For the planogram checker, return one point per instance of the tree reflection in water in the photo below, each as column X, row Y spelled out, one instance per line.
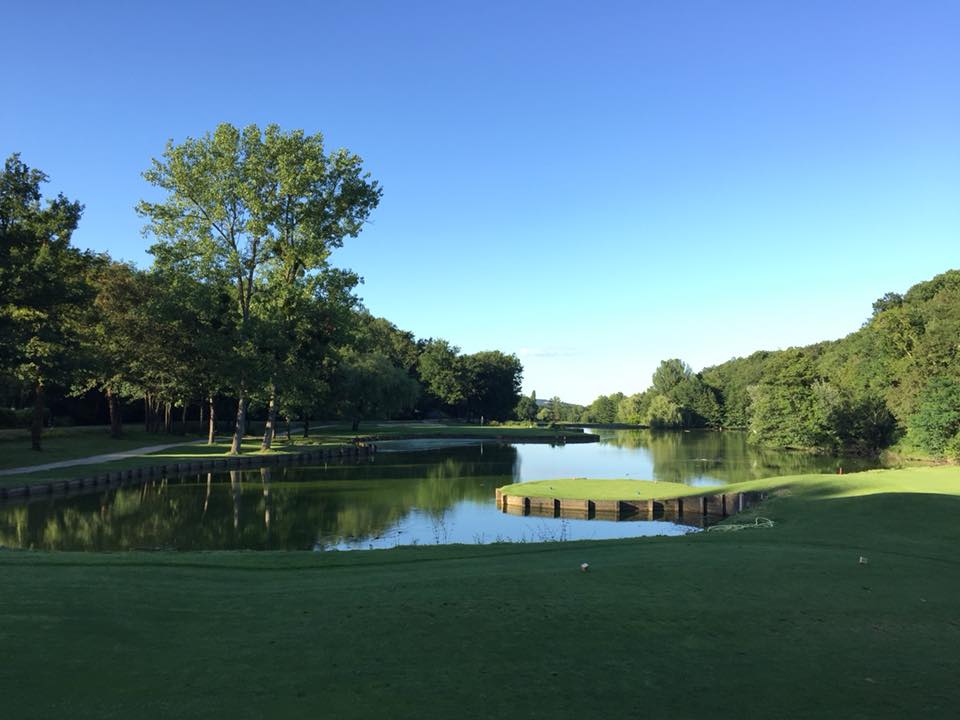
column 351, row 504
column 294, row 507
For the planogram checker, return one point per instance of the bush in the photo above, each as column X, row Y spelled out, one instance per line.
column 22, row 418
column 952, row 449
column 937, row 421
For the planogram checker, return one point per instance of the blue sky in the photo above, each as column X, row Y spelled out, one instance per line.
column 593, row 186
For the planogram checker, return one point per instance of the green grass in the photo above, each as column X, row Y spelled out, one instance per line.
column 180, row 453
column 939, row 479
column 598, row 489
column 71, row 443
column 781, row 622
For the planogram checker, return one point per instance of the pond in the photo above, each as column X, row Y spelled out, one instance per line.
column 408, row 493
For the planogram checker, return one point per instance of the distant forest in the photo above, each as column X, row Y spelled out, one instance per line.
column 896, row 380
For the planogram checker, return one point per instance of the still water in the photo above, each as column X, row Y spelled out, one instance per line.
column 404, row 495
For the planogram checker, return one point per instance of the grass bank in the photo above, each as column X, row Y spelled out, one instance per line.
column 782, row 622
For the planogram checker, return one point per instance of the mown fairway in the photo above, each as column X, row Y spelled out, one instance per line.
column 780, row 622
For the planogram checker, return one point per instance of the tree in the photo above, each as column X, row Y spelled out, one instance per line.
column 377, row 334
column 603, row 409
column 43, row 287
column 632, row 409
column 936, row 424
column 555, row 409
column 526, row 408
column 663, row 413
column 256, row 211
column 492, row 380
column 370, row 386
column 324, row 322
column 441, row 374
column 669, row 374
column 115, row 333
column 783, row 411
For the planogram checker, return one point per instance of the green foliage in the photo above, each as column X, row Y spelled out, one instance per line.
column 633, row 409
column 369, row 386
column 526, row 409
column 493, row 384
column 860, row 393
column 663, row 413
column 485, row 384
column 43, row 286
column 936, row 424
column 257, row 213
column 669, row 375
column 783, row 410
column 12, row 418
column 603, row 409
column 441, row 372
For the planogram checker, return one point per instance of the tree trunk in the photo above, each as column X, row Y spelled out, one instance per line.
column 36, row 423
column 235, row 494
column 116, row 422
column 212, row 432
column 265, row 477
column 356, row 425
column 203, row 415
column 241, row 428
column 306, row 425
column 146, row 412
column 206, row 499
column 183, row 419
column 271, row 420
column 288, row 429
column 168, row 418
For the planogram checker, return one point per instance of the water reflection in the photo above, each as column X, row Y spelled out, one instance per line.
column 427, row 497
column 704, row 457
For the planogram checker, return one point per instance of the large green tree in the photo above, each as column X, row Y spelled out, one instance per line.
column 492, row 380
column 43, row 286
column 258, row 211
column 442, row 375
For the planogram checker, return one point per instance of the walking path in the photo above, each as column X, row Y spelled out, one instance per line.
column 109, row 457
column 94, row 459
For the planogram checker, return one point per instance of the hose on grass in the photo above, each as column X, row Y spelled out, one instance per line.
column 759, row 522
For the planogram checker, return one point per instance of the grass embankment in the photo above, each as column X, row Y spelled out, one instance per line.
column 76, row 443
column 781, row 622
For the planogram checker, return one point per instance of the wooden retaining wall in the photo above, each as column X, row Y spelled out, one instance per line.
column 692, row 508
column 138, row 475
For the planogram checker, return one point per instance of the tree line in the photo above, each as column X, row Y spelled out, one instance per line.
column 240, row 309
column 896, row 380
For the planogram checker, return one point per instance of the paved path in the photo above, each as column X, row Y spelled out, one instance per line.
column 94, row 459
column 110, row 457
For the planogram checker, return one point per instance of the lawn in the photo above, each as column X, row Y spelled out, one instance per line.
column 942, row 479
column 71, row 443
column 783, row 622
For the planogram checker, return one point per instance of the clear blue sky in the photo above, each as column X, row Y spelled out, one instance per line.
column 593, row 186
